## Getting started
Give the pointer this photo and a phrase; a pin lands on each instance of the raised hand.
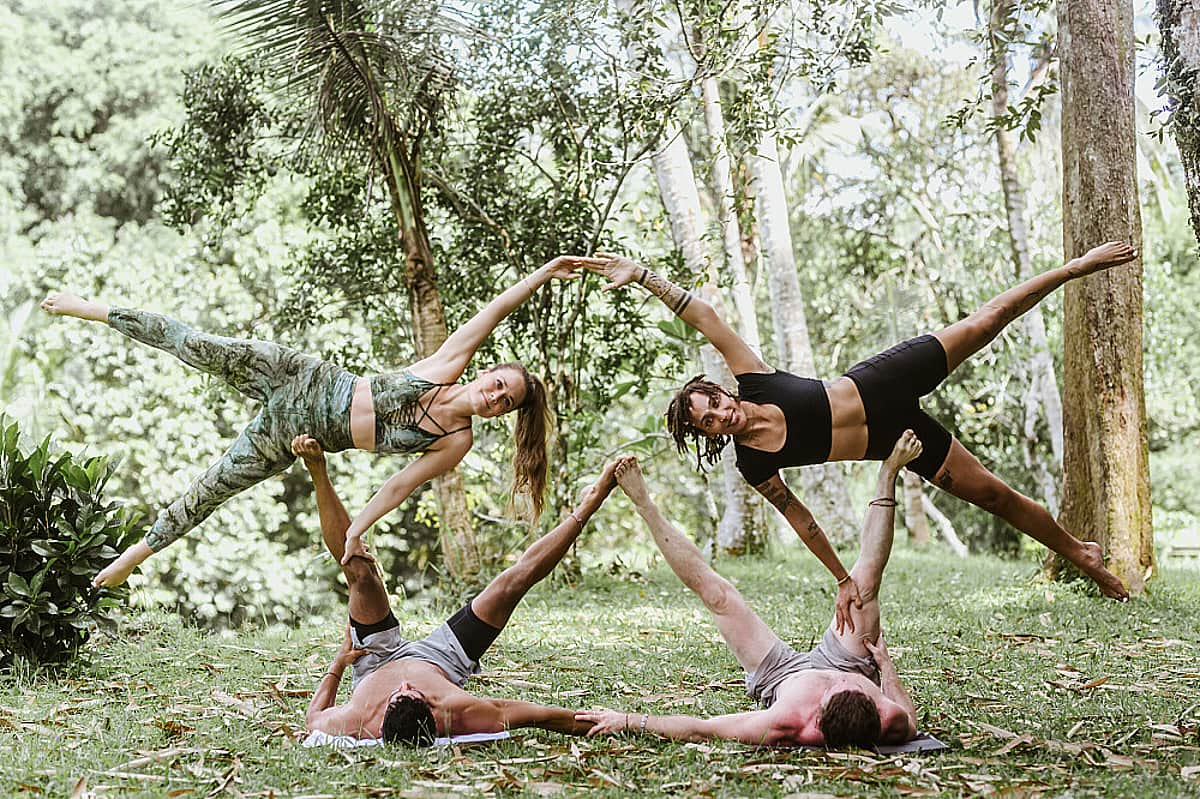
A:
(1105, 256)
(566, 267)
(619, 270)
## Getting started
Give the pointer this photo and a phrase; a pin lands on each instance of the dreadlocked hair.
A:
(679, 421)
(530, 462)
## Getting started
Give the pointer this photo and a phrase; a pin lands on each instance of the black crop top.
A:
(806, 412)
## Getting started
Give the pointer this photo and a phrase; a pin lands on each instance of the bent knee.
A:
(359, 570)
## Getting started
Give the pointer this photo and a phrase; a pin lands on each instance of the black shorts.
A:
(473, 633)
(891, 385)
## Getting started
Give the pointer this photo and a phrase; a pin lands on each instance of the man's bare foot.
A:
(1105, 256)
(1092, 565)
(62, 303)
(307, 448)
(908, 448)
(629, 477)
(119, 570)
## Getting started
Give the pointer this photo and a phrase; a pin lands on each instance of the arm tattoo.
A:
(673, 296)
(779, 496)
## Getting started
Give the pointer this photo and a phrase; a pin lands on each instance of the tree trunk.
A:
(944, 525)
(731, 232)
(824, 485)
(1106, 492)
(914, 510)
(681, 198)
(460, 553)
(1041, 371)
(1179, 23)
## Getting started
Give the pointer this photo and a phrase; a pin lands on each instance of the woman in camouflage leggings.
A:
(419, 409)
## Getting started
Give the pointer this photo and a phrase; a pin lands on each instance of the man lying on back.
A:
(845, 691)
(412, 691)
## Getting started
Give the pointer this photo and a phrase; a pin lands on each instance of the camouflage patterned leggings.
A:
(299, 394)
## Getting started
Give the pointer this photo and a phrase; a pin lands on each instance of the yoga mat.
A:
(318, 738)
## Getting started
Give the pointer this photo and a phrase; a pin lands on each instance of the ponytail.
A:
(530, 462)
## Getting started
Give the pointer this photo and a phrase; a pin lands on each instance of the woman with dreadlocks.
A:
(421, 409)
(777, 420)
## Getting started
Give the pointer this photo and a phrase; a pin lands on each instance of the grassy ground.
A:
(1040, 689)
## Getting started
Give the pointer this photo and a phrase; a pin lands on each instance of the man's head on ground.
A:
(849, 717)
(408, 718)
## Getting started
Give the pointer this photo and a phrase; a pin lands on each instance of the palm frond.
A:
(373, 73)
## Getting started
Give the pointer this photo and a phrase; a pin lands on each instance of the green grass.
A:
(1040, 689)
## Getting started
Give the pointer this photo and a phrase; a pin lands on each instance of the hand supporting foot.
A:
(309, 450)
(62, 303)
(629, 477)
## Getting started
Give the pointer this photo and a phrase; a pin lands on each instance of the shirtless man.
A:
(412, 691)
(845, 691)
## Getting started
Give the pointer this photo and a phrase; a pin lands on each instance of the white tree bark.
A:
(731, 231)
(681, 199)
(1042, 376)
(945, 527)
(824, 486)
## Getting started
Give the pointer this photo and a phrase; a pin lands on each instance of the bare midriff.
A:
(849, 438)
(362, 416)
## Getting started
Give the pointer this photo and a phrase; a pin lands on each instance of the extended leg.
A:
(253, 367)
(496, 603)
(966, 478)
(748, 636)
(368, 602)
(253, 457)
(875, 547)
(963, 339)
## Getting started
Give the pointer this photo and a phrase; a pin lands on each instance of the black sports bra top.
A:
(806, 413)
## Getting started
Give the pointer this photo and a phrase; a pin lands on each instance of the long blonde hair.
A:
(530, 462)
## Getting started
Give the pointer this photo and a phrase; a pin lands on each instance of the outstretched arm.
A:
(902, 726)
(398, 488)
(322, 714)
(447, 364)
(752, 727)
(692, 309)
(515, 713)
(801, 520)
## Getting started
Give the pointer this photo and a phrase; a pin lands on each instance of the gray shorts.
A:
(783, 661)
(441, 648)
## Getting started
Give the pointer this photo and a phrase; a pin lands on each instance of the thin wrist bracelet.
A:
(577, 519)
(642, 277)
(884, 502)
(844, 579)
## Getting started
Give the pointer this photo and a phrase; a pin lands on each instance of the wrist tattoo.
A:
(673, 296)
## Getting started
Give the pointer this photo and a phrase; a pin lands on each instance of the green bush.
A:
(56, 533)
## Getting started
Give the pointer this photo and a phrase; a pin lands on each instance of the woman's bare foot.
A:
(119, 570)
(1105, 256)
(62, 303)
(1092, 564)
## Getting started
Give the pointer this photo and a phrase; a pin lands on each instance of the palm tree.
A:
(372, 78)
